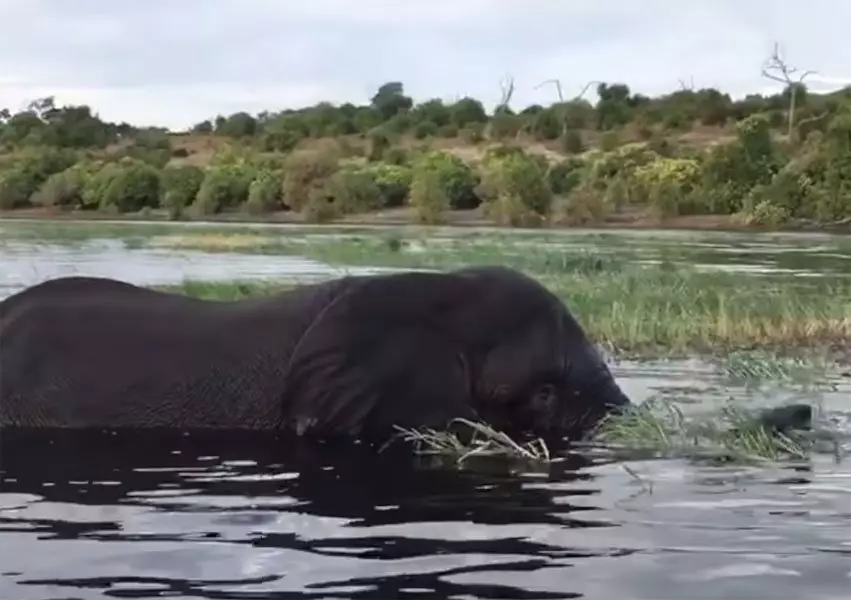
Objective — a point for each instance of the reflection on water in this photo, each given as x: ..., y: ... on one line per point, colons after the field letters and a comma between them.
x: 187, y: 517
x: 23, y: 264
x: 133, y: 516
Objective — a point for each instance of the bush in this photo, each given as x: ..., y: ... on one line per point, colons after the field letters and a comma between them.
x: 582, y: 206
x: 63, y: 189
x: 320, y: 208
x: 16, y: 187
x: 424, y: 129
x: 457, y: 179
x: 180, y: 186
x: 95, y: 186
x: 393, y: 181
x: 516, y: 189
x: 134, y: 186
x: 353, y: 191
x: 305, y: 171
x: 565, y: 175
x: 428, y: 195
x: 450, y: 130
x: 378, y: 142
x: 572, y: 142
x: 668, y: 185
x: 264, y: 193
x: 224, y: 186
x: 27, y: 171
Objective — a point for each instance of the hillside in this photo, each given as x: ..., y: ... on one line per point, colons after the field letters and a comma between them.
x: 689, y: 157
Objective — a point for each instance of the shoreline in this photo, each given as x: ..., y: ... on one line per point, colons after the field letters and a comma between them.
x: 471, y: 219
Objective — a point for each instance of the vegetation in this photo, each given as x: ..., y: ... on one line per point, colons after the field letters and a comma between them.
x: 655, y: 311
x: 730, y: 435
x: 760, y: 160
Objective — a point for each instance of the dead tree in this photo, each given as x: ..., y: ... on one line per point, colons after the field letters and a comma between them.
x: 776, y: 69
x: 507, y: 87
x: 687, y: 87
x: 561, y: 101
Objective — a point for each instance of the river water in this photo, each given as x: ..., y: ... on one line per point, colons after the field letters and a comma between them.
x: 120, y: 516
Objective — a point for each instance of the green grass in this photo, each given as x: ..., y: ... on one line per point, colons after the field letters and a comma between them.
x: 653, y: 311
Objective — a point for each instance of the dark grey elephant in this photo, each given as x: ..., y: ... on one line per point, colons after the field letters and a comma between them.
x: 351, y: 356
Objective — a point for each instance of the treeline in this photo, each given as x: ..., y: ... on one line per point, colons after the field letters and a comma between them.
x: 384, y: 155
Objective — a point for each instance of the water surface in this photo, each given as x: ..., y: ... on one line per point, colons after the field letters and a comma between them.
x: 129, y: 516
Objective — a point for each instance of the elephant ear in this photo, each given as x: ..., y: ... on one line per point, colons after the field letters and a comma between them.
x: 381, y: 354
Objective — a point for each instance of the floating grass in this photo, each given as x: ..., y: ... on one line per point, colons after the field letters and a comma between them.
x: 731, y: 435
x: 484, y: 441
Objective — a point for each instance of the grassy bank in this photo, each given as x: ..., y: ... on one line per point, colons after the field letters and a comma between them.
x: 651, y: 311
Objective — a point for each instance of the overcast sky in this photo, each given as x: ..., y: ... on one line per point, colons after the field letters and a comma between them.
x: 176, y: 62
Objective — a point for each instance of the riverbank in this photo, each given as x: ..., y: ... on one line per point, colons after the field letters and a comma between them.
x: 404, y: 217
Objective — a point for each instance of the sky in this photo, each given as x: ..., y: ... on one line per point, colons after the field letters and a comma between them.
x: 174, y: 63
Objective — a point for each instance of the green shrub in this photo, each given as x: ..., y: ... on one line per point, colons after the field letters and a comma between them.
x: 16, y: 187
x: 224, y: 186
x: 565, y: 175
x: 668, y: 185
x: 393, y: 181
x: 457, y: 179
x: 378, y: 142
x: 27, y: 170
x: 424, y: 129
x: 428, y: 195
x: 63, y: 189
x: 264, y: 193
x: 134, y: 186
x: 95, y: 186
x: 180, y: 186
x: 514, y: 185
x: 353, y: 191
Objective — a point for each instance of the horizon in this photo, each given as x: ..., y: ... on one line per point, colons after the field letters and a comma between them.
x: 191, y: 72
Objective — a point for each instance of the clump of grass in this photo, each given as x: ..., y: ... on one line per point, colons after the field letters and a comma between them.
x: 733, y: 435
x: 484, y: 441
x: 752, y: 367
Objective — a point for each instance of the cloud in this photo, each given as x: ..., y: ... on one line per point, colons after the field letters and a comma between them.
x: 176, y: 63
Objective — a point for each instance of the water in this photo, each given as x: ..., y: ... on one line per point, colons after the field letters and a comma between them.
x: 249, y: 519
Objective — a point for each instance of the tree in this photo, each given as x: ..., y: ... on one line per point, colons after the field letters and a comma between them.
x: 390, y: 100
x: 776, y: 69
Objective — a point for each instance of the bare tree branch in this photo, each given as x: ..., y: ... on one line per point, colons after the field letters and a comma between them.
x: 687, y: 87
x: 557, y: 84
x: 777, y: 69
x: 507, y: 87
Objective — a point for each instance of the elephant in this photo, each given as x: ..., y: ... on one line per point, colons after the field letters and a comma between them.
x: 350, y: 357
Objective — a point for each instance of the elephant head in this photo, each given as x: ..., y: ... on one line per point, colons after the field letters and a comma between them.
x: 419, y: 349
